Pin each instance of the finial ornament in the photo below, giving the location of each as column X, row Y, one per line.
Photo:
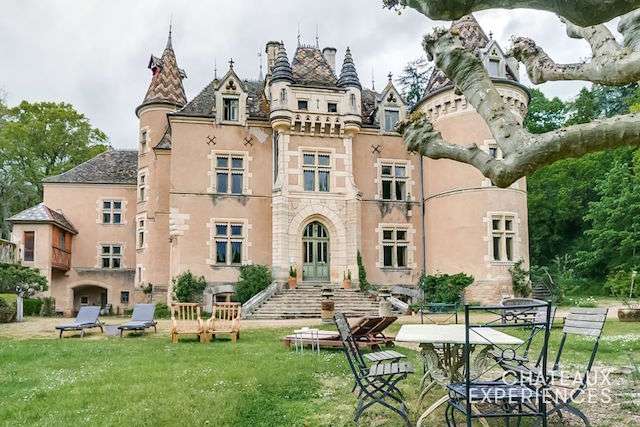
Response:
column 373, row 80
column 390, row 76
column 491, row 35
column 215, row 68
column 299, row 36
column 317, row 36
column 169, row 44
column 231, row 63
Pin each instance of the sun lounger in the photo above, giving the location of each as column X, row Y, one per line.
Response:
column 87, row 318
column 141, row 319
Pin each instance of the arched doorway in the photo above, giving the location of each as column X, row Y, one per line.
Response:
column 315, row 253
column 89, row 295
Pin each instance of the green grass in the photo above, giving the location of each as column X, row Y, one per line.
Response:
column 257, row 382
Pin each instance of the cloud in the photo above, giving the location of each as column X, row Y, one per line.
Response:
column 94, row 53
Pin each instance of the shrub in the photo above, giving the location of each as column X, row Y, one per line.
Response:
column 188, row 288
column 22, row 280
column 623, row 286
column 444, row 288
column 520, row 280
column 162, row 311
column 253, row 280
column 584, row 302
column 7, row 312
column 48, row 308
column 32, row 306
column 362, row 275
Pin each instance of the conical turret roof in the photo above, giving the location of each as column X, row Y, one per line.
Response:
column 166, row 83
column 281, row 67
column 349, row 75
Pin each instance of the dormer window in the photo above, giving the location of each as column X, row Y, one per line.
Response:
column 303, row 105
column 391, row 118
column 332, row 107
column 230, row 109
column 494, row 67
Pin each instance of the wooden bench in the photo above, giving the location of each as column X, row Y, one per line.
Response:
column 186, row 320
column 225, row 319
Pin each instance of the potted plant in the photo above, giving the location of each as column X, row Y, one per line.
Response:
column 293, row 277
column 623, row 286
column 346, row 281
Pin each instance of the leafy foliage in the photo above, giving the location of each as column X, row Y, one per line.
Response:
column 38, row 140
column 162, row 311
column 520, row 280
column 622, row 284
column 21, row 280
column 444, row 288
column 188, row 288
column 7, row 311
column 362, row 275
column 413, row 80
column 48, row 308
column 253, row 280
column 32, row 306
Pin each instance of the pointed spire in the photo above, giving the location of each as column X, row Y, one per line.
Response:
column 169, row 44
column 349, row 75
column 281, row 67
column 373, row 80
column 166, row 83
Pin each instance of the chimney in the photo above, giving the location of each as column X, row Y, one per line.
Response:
column 271, row 51
column 329, row 54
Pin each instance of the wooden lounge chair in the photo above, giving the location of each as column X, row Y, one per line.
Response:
column 141, row 319
column 368, row 332
column 186, row 320
column 87, row 318
column 225, row 319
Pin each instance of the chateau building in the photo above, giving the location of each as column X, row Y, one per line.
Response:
column 302, row 168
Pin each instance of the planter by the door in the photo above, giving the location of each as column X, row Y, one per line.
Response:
column 629, row 314
column 346, row 284
column 292, row 282
column 327, row 310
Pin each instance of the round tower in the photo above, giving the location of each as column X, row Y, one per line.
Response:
column 471, row 226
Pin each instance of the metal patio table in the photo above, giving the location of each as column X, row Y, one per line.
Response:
column 442, row 349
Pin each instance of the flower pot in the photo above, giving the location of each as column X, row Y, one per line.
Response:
column 292, row 282
column 629, row 314
column 346, row 284
column 327, row 310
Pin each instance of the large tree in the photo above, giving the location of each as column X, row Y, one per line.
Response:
column 38, row 140
column 612, row 63
column 413, row 80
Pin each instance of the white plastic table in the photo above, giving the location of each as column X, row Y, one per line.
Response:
column 441, row 347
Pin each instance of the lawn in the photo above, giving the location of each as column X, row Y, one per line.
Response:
column 257, row 382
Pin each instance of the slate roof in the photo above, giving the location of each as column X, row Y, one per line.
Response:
column 349, row 75
column 110, row 167
column 202, row 105
column 474, row 38
column 43, row 214
column 166, row 83
column 311, row 68
column 281, row 68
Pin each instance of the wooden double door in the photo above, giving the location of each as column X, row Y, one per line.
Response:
column 315, row 253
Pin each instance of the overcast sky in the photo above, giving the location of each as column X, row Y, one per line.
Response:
column 93, row 53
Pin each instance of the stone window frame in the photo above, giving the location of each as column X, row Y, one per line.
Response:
column 408, row 179
column 24, row 246
column 139, row 274
column 330, row 168
column 142, row 188
column 143, row 230
column 515, row 234
column 111, row 211
column 101, row 255
column 235, row 98
column 246, row 242
column 122, row 298
column 246, row 175
column 389, row 108
column 144, row 139
column 411, row 247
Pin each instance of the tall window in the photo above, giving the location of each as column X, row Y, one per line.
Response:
column 394, row 181
column 316, row 171
column 391, row 118
column 283, row 96
column 141, row 224
column 229, row 238
column 353, row 102
column 230, row 109
column 229, row 174
column 394, row 247
column 111, row 256
column 494, row 67
column 142, row 187
column 29, row 239
column 503, row 236
column 112, row 211
column 143, row 140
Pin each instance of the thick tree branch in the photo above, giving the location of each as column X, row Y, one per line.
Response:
column 610, row 64
column 580, row 12
column 523, row 152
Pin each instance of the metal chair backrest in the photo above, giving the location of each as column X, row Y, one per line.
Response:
column 143, row 312
column 88, row 314
column 586, row 322
column 351, row 349
column 429, row 309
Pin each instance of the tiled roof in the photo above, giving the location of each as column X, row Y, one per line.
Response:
column 43, row 214
column 110, row 167
column 473, row 37
column 202, row 104
column 281, row 68
column 311, row 68
column 349, row 75
column 165, row 141
column 166, row 83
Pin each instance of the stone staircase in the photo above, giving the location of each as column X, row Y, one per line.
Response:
column 304, row 302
